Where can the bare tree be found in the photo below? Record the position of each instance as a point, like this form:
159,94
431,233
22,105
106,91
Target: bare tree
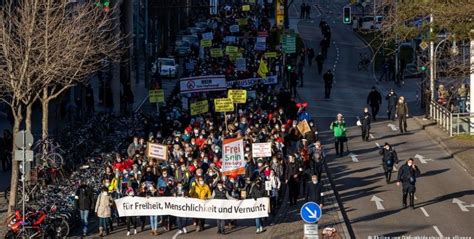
47,46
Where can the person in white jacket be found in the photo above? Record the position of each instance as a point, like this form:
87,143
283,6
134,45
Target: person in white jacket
275,183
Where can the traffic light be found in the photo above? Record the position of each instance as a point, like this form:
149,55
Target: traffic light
288,67
423,68
104,4
346,15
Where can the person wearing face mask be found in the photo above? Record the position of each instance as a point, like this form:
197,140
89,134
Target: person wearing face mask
389,158
275,188
314,191
180,191
84,199
364,121
312,136
133,147
148,176
103,211
292,178
131,219
391,104
182,175
200,191
407,175
221,193
338,127
402,114
317,156
258,191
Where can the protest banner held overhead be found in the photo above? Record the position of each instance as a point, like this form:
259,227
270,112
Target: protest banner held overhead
303,127
199,107
193,208
261,150
202,84
157,151
156,96
233,161
206,43
237,96
223,105
269,80
216,52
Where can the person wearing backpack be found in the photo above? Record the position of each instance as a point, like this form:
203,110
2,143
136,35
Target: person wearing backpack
389,158
407,176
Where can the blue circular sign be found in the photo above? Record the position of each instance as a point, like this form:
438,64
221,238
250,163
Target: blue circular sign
310,212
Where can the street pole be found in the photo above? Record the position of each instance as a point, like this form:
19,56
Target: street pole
431,59
471,85
146,43
23,177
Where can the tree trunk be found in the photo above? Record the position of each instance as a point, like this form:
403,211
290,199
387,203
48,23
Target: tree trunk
28,118
14,179
44,115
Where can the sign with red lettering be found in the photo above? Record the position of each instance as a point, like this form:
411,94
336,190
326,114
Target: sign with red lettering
261,150
233,161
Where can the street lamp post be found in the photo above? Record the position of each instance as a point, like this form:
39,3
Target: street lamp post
471,80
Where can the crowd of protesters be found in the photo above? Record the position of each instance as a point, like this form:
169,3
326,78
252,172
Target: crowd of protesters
194,162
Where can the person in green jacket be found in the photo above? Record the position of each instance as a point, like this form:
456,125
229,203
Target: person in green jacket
338,127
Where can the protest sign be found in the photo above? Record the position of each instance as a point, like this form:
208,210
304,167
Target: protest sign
206,43
193,207
268,80
234,56
245,8
242,21
234,28
261,150
202,83
252,94
223,105
240,64
237,96
156,96
199,107
261,39
260,46
207,36
230,39
216,52
233,161
157,151
270,54
303,127
231,49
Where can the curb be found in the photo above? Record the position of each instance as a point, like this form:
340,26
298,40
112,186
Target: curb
443,145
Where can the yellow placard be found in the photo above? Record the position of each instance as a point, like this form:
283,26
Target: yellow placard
233,56
270,54
237,96
245,8
223,105
216,52
199,107
242,21
206,43
156,96
231,49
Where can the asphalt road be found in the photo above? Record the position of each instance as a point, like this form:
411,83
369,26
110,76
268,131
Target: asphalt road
444,188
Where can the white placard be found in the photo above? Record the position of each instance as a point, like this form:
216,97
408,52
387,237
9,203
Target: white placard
261,150
269,80
193,208
203,83
207,36
234,28
311,230
157,151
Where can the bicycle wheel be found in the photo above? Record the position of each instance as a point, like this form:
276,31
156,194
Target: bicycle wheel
55,160
62,230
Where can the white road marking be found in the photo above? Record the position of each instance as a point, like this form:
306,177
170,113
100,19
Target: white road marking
438,231
176,235
415,197
354,157
462,205
422,159
371,136
377,144
424,212
378,202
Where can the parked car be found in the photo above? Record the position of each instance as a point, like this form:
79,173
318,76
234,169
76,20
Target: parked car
367,23
166,67
182,47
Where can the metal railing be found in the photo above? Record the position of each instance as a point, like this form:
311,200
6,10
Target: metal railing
452,123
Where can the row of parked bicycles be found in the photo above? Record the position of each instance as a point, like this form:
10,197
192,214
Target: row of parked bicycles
59,165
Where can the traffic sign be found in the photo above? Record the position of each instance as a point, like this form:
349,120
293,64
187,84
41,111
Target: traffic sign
289,43
28,155
423,45
310,212
311,231
23,138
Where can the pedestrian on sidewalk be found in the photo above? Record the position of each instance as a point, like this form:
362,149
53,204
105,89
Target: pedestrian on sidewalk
402,114
364,121
316,156
293,82
338,127
180,191
301,72
389,158
308,11
427,101
220,193
292,177
84,201
374,99
407,177
320,62
302,10
133,220
310,56
324,45
328,80
103,210
391,104
314,191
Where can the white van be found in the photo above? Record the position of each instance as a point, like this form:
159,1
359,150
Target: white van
367,23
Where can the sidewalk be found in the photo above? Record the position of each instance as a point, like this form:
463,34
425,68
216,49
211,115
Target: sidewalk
460,149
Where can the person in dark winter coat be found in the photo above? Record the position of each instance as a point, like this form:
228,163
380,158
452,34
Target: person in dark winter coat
328,79
365,120
293,174
407,177
314,191
258,191
374,99
220,193
389,158
84,200
320,61
402,114
293,83
316,158
391,104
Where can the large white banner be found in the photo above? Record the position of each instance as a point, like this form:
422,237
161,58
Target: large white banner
269,80
193,208
233,161
203,83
